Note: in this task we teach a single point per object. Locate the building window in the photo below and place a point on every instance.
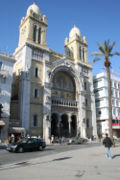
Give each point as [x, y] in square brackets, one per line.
[35, 120]
[36, 93]
[36, 72]
[88, 123]
[85, 85]
[116, 94]
[117, 103]
[97, 103]
[113, 102]
[99, 112]
[119, 85]
[34, 33]
[83, 54]
[80, 52]
[86, 102]
[114, 84]
[71, 52]
[39, 35]
[0, 65]
[114, 111]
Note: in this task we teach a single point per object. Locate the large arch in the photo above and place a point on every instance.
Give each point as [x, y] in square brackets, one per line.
[67, 67]
[64, 95]
[63, 86]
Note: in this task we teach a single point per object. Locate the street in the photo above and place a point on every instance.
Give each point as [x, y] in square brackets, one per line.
[9, 157]
[87, 162]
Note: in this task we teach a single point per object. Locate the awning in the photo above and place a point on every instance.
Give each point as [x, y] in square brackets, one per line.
[2, 123]
[17, 130]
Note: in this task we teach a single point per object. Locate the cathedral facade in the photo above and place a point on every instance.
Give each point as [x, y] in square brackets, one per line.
[52, 92]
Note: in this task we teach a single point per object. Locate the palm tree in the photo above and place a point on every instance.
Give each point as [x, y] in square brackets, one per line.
[106, 52]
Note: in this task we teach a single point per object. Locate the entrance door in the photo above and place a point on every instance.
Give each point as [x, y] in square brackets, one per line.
[64, 126]
[73, 126]
[54, 125]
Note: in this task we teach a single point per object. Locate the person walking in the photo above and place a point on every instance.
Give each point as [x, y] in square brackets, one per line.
[107, 142]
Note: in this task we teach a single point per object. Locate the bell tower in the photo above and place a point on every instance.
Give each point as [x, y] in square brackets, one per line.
[33, 27]
[76, 46]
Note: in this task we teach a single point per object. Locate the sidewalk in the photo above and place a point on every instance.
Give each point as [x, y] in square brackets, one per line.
[86, 164]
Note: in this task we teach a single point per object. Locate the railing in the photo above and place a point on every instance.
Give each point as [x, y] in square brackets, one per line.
[63, 102]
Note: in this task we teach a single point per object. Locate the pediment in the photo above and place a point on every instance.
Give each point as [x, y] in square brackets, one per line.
[62, 62]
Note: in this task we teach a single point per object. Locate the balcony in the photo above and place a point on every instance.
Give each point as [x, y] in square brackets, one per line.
[64, 102]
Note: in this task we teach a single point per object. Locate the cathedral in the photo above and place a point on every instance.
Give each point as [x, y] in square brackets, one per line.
[52, 93]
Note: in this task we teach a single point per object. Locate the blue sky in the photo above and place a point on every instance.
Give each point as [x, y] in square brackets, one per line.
[98, 20]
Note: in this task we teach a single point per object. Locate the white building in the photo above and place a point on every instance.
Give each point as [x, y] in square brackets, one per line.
[53, 92]
[101, 98]
[6, 76]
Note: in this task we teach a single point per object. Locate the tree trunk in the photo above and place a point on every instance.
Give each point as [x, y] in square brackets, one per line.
[109, 102]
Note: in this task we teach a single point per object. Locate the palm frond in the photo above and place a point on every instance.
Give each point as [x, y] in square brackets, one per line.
[97, 54]
[106, 45]
[95, 59]
[111, 47]
[115, 53]
[101, 48]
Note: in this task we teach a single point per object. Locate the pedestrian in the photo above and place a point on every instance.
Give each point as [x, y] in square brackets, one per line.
[52, 139]
[17, 138]
[12, 138]
[108, 144]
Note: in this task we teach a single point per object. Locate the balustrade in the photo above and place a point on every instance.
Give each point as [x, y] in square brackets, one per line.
[64, 102]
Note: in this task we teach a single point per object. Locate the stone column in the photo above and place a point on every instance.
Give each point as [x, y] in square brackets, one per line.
[69, 121]
[59, 125]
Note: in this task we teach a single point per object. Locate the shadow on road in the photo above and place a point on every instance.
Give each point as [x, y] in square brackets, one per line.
[117, 155]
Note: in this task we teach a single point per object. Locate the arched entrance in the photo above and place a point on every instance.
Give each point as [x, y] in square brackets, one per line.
[73, 126]
[64, 126]
[64, 102]
[54, 125]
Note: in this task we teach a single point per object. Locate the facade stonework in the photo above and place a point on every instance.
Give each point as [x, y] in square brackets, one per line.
[55, 91]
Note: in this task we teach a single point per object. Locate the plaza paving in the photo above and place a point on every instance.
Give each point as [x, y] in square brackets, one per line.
[85, 164]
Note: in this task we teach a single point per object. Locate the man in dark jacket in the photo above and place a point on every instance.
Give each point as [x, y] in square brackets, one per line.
[108, 143]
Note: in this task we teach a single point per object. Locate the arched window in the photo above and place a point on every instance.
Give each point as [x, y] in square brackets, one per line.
[35, 120]
[83, 54]
[34, 33]
[80, 51]
[36, 93]
[72, 52]
[36, 72]
[68, 52]
[87, 123]
[85, 85]
[39, 35]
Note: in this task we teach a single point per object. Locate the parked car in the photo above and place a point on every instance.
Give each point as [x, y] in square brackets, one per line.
[27, 144]
[77, 140]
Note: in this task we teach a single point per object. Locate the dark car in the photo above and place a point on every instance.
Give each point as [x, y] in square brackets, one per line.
[27, 144]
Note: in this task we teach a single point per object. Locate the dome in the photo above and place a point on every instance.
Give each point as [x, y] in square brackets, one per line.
[74, 31]
[34, 8]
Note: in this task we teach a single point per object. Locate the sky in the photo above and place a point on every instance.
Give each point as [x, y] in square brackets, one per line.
[98, 20]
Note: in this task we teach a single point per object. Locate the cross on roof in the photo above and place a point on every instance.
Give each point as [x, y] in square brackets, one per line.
[34, 1]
